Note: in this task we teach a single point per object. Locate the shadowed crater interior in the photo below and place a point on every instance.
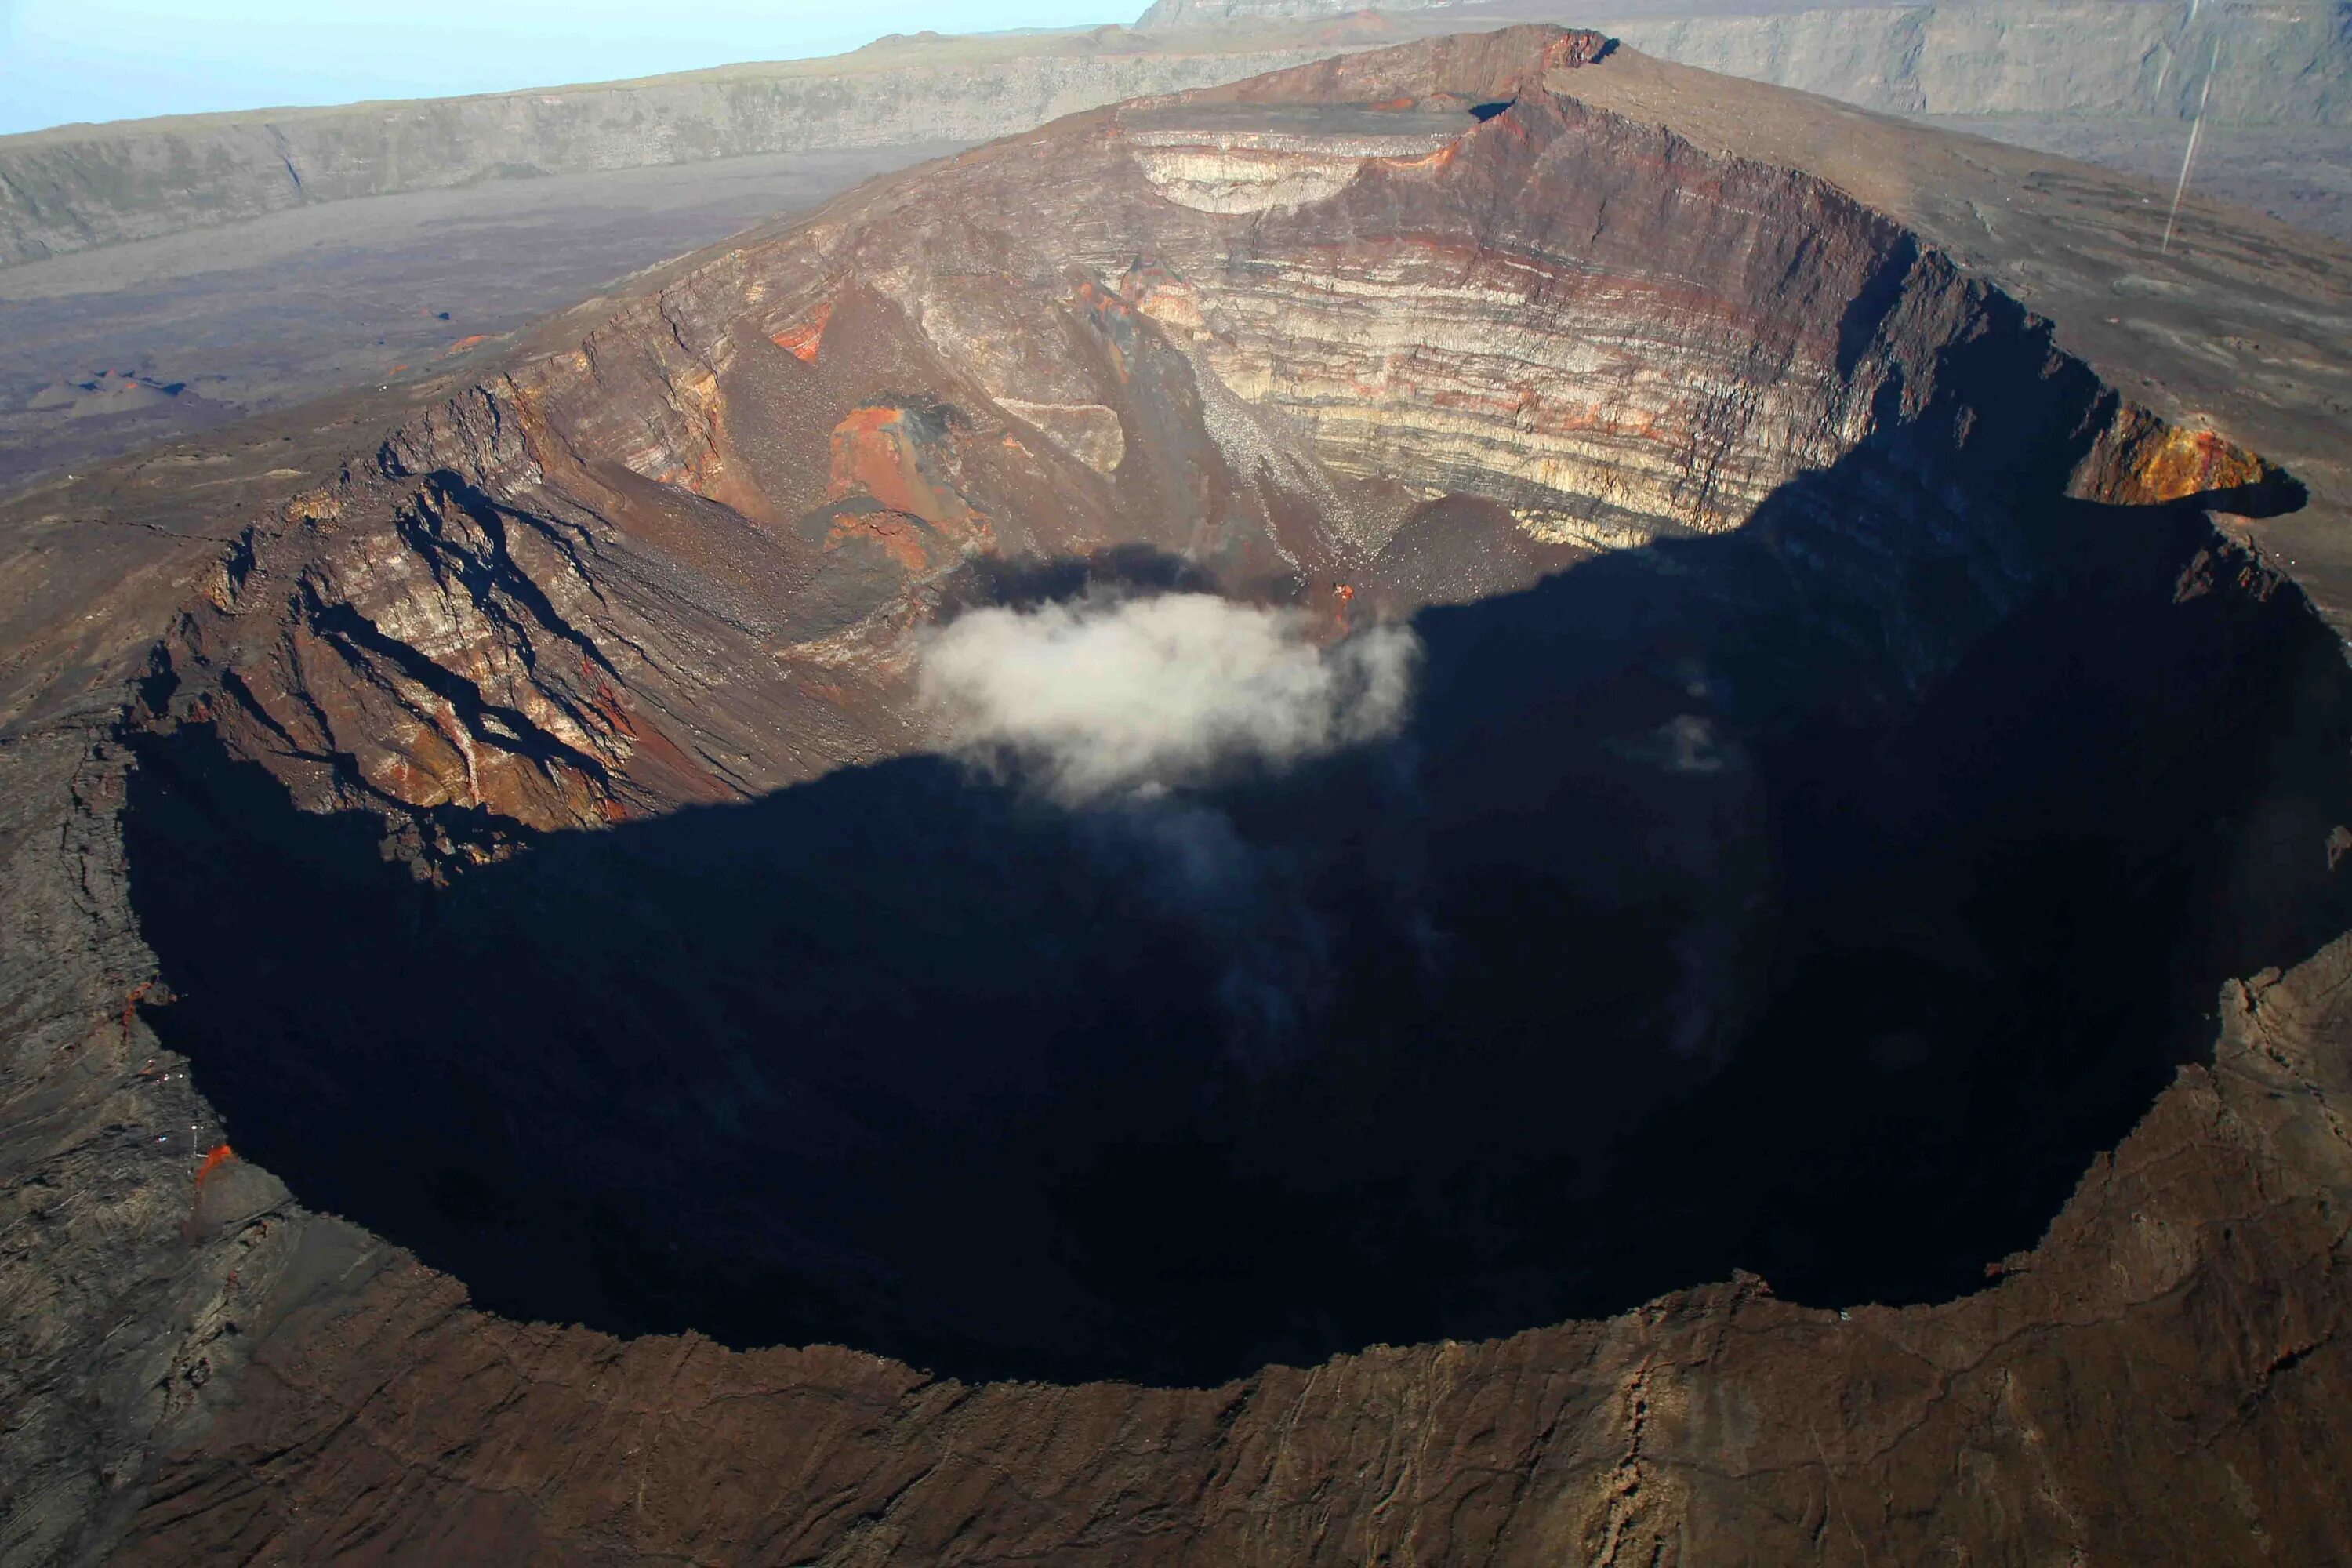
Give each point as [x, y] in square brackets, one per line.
[1814, 899]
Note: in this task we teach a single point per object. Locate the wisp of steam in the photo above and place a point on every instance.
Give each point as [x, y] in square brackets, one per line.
[1101, 699]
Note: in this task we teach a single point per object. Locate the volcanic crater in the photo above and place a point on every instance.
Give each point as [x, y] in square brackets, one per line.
[1844, 760]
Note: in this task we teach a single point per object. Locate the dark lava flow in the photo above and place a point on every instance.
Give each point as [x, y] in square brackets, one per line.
[1815, 901]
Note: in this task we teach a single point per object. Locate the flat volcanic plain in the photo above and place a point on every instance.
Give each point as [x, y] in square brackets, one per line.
[106, 351]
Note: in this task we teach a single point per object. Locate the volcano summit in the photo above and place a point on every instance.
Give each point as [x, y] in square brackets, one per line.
[1423, 701]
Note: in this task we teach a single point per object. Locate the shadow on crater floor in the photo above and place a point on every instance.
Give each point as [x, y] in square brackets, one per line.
[1815, 901]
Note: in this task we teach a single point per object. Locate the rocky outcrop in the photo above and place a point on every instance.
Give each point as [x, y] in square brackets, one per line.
[1414, 327]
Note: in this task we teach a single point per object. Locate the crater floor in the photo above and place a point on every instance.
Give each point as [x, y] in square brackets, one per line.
[1658, 947]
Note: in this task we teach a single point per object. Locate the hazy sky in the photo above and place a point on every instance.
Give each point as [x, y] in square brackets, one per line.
[63, 60]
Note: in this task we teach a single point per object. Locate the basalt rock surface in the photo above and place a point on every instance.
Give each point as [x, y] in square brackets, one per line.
[1823, 1039]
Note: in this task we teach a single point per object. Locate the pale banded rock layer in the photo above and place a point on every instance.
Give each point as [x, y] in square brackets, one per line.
[1231, 178]
[1088, 431]
[1582, 320]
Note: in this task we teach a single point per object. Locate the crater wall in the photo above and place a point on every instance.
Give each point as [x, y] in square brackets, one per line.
[656, 581]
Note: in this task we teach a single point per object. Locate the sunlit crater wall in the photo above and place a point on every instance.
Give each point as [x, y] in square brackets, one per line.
[674, 557]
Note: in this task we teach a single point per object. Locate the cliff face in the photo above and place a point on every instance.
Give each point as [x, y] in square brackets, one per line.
[2136, 59]
[1256, 337]
[2268, 64]
[1908, 791]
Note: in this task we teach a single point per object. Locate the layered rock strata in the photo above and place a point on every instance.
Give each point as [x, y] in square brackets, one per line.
[2101, 60]
[1289, 339]
[1422, 324]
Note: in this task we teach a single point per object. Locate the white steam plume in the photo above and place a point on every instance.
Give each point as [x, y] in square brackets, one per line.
[1103, 698]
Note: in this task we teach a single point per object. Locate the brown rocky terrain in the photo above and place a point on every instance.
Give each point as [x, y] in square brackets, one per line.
[255, 261]
[284, 309]
[2000, 63]
[1821, 1039]
[220, 300]
[2112, 82]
